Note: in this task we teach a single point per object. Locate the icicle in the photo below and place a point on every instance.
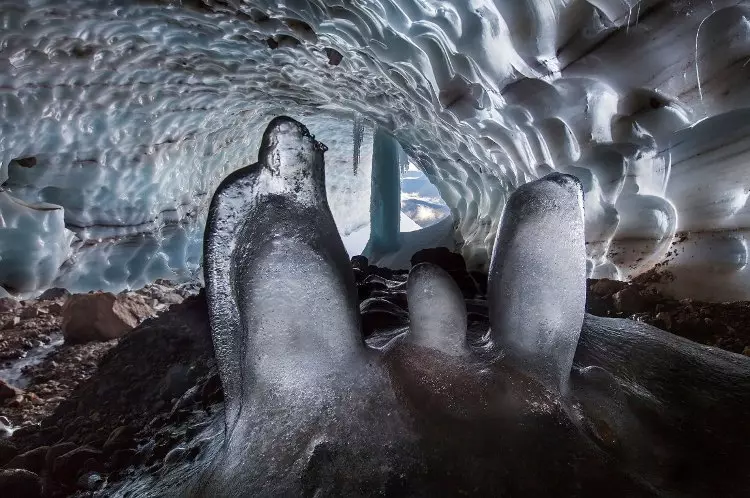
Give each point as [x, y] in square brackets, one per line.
[403, 161]
[358, 133]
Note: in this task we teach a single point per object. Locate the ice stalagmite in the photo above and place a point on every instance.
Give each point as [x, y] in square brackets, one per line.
[437, 312]
[272, 242]
[537, 278]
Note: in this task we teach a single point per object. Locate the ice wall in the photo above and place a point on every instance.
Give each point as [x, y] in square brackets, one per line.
[133, 112]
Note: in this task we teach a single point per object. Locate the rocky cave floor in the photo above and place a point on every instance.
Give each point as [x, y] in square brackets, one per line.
[96, 408]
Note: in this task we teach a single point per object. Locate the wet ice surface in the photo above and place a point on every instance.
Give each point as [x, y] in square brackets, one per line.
[12, 371]
[437, 312]
[537, 278]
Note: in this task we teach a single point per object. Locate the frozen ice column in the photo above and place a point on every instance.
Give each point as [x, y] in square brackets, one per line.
[537, 279]
[385, 201]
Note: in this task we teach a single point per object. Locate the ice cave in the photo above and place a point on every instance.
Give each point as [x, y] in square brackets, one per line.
[398, 248]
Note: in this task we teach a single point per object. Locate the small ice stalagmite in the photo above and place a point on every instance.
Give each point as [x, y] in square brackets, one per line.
[437, 312]
[537, 279]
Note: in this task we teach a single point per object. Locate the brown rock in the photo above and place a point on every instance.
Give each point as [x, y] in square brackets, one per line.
[101, 316]
[172, 298]
[13, 322]
[8, 392]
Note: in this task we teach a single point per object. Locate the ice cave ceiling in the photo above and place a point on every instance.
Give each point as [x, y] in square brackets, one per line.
[118, 119]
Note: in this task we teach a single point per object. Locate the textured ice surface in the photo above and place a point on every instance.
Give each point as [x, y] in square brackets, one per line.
[537, 280]
[33, 243]
[285, 322]
[134, 111]
[263, 216]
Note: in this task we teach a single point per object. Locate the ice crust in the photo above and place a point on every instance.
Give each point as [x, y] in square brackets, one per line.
[135, 111]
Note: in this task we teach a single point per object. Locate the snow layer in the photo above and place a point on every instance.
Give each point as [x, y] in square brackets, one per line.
[133, 112]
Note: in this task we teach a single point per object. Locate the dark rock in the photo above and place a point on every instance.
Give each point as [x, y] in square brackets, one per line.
[121, 438]
[29, 312]
[8, 304]
[20, 483]
[95, 439]
[8, 392]
[93, 465]
[55, 308]
[607, 287]
[629, 300]
[175, 455]
[56, 451]
[360, 262]
[122, 458]
[54, 294]
[175, 383]
[32, 461]
[334, 56]
[186, 400]
[25, 431]
[8, 451]
[212, 391]
[67, 467]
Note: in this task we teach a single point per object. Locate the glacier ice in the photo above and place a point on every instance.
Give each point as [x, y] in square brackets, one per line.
[34, 243]
[311, 410]
[537, 279]
[134, 112]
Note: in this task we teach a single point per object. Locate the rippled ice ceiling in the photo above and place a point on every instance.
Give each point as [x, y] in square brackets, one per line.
[119, 118]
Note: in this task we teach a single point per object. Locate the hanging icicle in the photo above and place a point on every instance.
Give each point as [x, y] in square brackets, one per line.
[403, 161]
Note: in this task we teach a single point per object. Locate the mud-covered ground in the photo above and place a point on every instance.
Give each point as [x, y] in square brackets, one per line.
[104, 410]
